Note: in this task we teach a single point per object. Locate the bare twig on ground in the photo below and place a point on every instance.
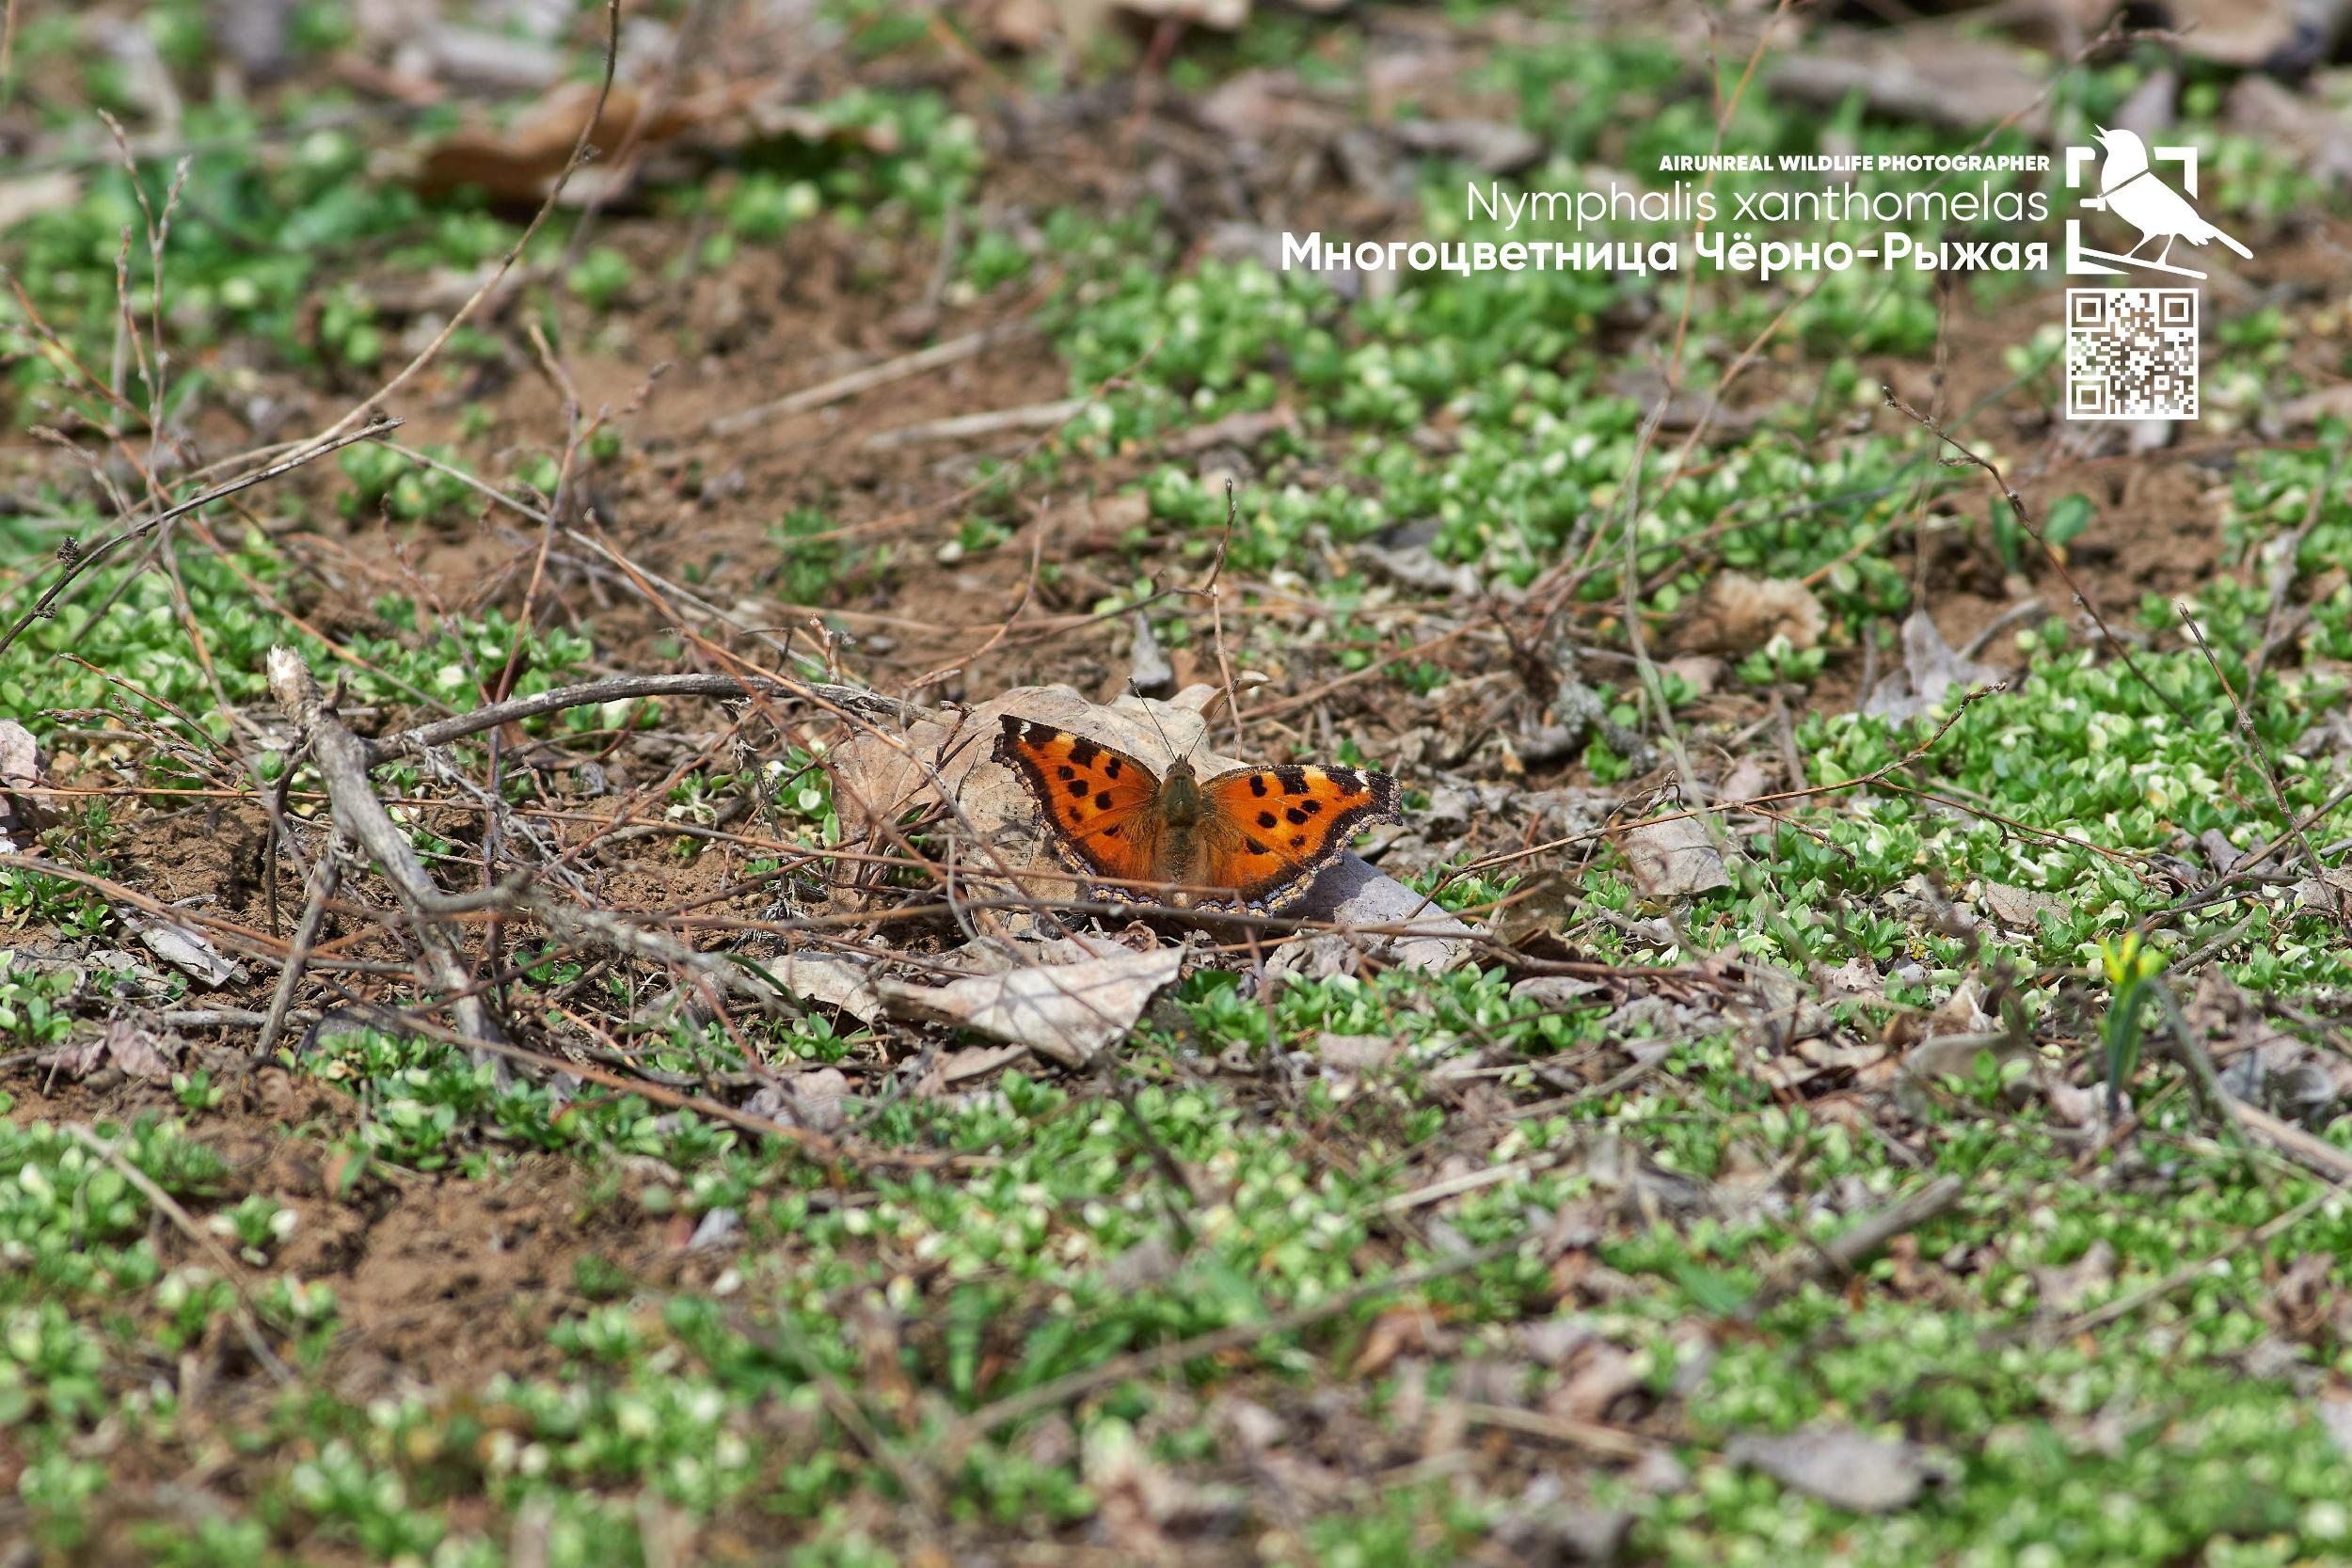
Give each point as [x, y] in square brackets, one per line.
[325, 876]
[1847, 1252]
[343, 760]
[81, 561]
[1591, 1437]
[618, 688]
[995, 422]
[921, 362]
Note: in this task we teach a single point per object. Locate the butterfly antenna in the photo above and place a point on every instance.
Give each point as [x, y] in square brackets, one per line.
[1146, 704]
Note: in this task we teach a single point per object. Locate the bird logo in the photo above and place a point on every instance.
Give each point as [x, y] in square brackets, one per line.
[2130, 188]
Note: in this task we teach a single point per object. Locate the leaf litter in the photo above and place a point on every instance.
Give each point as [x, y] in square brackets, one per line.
[829, 984]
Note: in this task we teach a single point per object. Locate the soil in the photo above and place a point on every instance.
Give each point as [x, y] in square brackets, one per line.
[444, 1281]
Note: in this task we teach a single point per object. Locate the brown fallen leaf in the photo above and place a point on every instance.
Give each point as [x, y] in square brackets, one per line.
[139, 1054]
[2021, 907]
[1066, 1013]
[190, 952]
[519, 162]
[973, 1061]
[1735, 615]
[1932, 673]
[120, 1043]
[1673, 859]
[22, 814]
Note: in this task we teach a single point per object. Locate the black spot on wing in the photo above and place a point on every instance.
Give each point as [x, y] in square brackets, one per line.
[1084, 753]
[1078, 788]
[1298, 841]
[1293, 780]
[1065, 774]
[1266, 819]
[1254, 846]
[1257, 786]
[1102, 801]
[1311, 807]
[1298, 818]
[1110, 833]
[1110, 768]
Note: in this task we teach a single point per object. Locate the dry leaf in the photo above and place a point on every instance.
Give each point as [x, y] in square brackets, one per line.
[78, 1060]
[1066, 1013]
[518, 163]
[2021, 907]
[22, 815]
[1735, 615]
[1845, 1467]
[135, 1051]
[1673, 857]
[973, 1061]
[839, 983]
[1356, 1053]
[817, 1099]
[187, 951]
[1931, 672]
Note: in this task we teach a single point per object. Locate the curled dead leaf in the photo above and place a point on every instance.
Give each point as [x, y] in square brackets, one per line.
[1673, 859]
[1735, 615]
[1066, 1013]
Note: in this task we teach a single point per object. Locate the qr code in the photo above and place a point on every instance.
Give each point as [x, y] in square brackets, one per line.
[2131, 354]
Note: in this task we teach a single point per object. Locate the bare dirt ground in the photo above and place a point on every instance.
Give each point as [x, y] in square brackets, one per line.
[449, 1274]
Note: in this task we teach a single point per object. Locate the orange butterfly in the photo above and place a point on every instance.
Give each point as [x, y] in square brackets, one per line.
[1255, 834]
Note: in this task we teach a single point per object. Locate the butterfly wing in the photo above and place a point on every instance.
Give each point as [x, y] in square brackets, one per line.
[1266, 831]
[1099, 801]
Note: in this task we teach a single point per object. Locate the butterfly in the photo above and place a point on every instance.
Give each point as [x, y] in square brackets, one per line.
[1254, 835]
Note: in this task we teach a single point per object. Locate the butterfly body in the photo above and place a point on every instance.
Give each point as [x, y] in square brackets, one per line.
[1254, 835]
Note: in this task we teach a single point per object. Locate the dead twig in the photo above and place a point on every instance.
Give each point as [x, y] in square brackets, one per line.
[81, 561]
[995, 422]
[343, 760]
[1841, 1257]
[617, 688]
[921, 362]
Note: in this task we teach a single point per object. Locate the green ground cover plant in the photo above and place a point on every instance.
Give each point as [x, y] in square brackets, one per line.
[1954, 1176]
